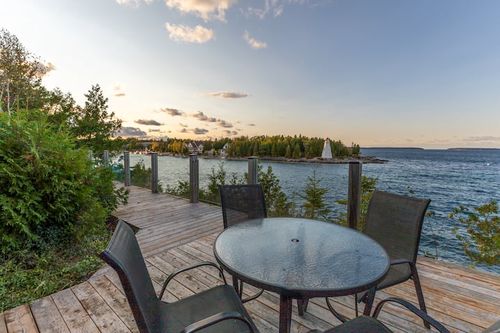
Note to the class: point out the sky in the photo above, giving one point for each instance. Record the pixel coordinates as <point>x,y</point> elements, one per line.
<point>378,73</point>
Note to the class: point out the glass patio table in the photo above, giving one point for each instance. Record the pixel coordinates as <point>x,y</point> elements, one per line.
<point>301,259</point>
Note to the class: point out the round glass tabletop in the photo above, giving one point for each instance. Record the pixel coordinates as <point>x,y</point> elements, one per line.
<point>300,257</point>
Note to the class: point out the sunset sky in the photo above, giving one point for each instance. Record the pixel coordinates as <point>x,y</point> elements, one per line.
<point>379,73</point>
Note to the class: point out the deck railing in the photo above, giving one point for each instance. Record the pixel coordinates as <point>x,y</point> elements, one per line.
<point>354,187</point>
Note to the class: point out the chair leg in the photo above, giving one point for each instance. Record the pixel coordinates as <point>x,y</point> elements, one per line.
<point>370,298</point>
<point>236,285</point>
<point>240,291</point>
<point>420,294</point>
<point>302,305</point>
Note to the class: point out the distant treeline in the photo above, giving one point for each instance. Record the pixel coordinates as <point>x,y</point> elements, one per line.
<point>294,147</point>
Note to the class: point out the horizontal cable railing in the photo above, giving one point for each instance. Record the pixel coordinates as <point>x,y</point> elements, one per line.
<point>354,180</point>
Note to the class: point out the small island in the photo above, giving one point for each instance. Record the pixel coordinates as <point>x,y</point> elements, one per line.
<point>277,148</point>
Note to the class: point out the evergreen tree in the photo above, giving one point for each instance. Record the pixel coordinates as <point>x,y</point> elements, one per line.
<point>276,200</point>
<point>94,124</point>
<point>288,153</point>
<point>296,151</point>
<point>314,205</point>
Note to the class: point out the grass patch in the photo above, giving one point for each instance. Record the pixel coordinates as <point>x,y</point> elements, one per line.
<point>29,275</point>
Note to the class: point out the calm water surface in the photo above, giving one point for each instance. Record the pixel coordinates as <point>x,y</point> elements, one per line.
<point>448,177</point>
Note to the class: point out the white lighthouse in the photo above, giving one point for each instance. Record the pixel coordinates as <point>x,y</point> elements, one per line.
<point>327,150</point>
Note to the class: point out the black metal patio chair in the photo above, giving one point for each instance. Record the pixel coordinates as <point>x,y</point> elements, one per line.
<point>215,310</point>
<point>241,203</point>
<point>365,324</point>
<point>395,222</point>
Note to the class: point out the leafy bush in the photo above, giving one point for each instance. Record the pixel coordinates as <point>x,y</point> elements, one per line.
<point>482,241</point>
<point>48,186</point>
<point>368,186</point>
<point>27,275</point>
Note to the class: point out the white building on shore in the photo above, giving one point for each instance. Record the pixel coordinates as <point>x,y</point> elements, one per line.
<point>327,150</point>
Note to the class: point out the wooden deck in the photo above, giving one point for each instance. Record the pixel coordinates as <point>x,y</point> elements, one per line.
<point>175,233</point>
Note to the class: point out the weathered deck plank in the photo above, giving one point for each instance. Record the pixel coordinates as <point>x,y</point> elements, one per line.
<point>174,233</point>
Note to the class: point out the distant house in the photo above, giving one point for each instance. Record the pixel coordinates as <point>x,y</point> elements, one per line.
<point>223,151</point>
<point>195,147</point>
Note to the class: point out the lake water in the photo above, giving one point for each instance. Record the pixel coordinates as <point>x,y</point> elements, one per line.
<point>448,177</point>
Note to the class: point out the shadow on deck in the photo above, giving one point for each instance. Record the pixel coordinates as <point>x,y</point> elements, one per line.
<point>175,233</point>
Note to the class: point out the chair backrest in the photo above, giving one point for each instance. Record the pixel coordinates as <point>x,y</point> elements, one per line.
<point>241,203</point>
<point>124,256</point>
<point>395,221</point>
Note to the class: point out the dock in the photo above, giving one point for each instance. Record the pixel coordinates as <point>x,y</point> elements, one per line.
<point>174,233</point>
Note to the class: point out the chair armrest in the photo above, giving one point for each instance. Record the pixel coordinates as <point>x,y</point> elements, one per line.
<point>217,318</point>
<point>185,269</point>
<point>401,261</point>
<point>413,309</point>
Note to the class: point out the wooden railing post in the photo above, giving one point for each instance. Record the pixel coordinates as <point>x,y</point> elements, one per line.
<point>252,170</point>
<point>154,172</point>
<point>354,194</point>
<point>105,157</point>
<point>126,168</point>
<point>194,177</point>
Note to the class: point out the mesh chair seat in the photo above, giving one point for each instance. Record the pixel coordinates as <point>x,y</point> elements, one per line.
<point>360,325</point>
<point>155,316</point>
<point>397,274</point>
<point>191,309</point>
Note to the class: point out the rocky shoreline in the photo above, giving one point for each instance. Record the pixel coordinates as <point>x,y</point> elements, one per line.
<point>317,160</point>
<point>362,159</point>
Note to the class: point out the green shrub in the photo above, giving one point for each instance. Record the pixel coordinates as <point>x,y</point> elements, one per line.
<point>482,241</point>
<point>49,188</point>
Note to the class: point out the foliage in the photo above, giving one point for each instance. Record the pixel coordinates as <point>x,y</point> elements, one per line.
<point>27,275</point>
<point>314,206</point>
<point>48,186</point>
<point>368,186</point>
<point>216,178</point>
<point>277,203</point>
<point>482,242</point>
<point>94,125</point>
<point>20,75</point>
<point>182,189</point>
<point>277,146</point>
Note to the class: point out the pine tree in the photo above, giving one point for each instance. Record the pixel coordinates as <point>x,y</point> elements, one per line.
<point>288,153</point>
<point>296,151</point>
<point>94,124</point>
<point>314,205</point>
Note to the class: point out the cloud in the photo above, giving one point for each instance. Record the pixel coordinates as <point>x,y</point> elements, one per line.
<point>183,125</point>
<point>206,9</point>
<point>271,7</point>
<point>184,130</point>
<point>184,33</point>
<point>228,132</point>
<point>484,138</point>
<point>254,43</point>
<point>133,3</point>
<point>228,94</point>
<point>118,91</point>
<point>224,123</point>
<point>153,130</point>
<point>131,132</point>
<point>251,125</point>
<point>172,112</point>
<point>200,131</point>
<point>49,67</point>
<point>148,122</point>
<point>200,116</point>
